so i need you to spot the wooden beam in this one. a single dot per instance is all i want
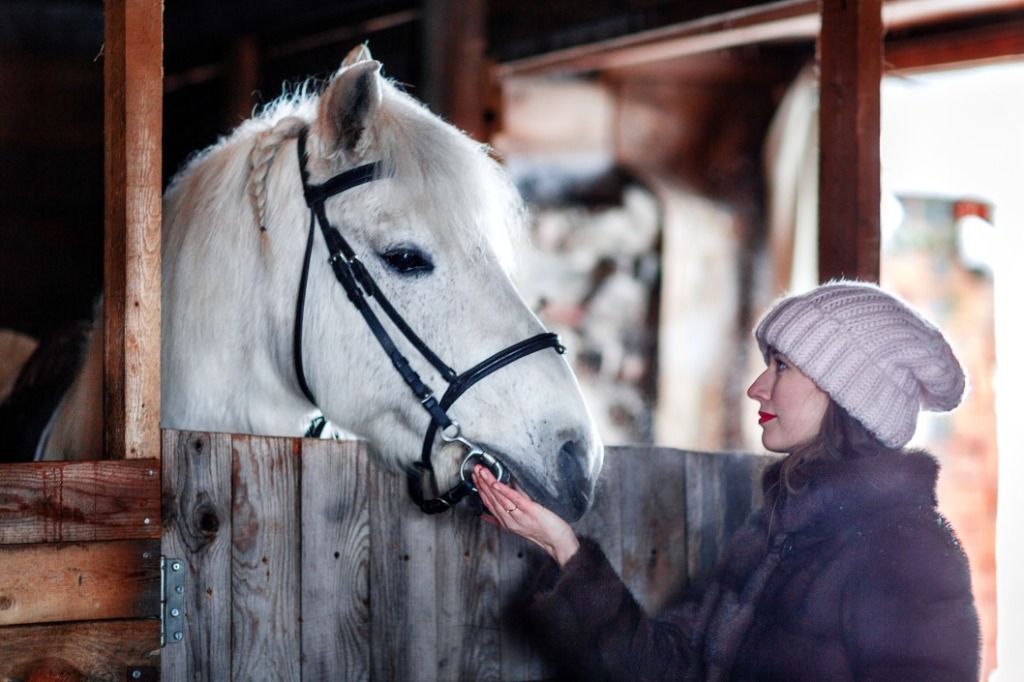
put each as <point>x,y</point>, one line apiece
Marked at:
<point>780,21</point>
<point>133,89</point>
<point>787,19</point>
<point>960,48</point>
<point>850,71</point>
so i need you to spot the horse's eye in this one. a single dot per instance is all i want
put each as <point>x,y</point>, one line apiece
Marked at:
<point>407,261</point>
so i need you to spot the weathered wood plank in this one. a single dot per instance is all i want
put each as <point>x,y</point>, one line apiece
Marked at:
<point>50,583</point>
<point>653,532</point>
<point>335,561</point>
<point>604,520</point>
<point>388,582</point>
<point>403,584</point>
<point>722,488</point>
<point>108,650</point>
<point>265,532</point>
<point>197,530</point>
<point>79,501</point>
<point>133,114</point>
<point>467,599</point>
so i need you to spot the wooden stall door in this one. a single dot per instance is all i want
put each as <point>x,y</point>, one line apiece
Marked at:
<point>304,561</point>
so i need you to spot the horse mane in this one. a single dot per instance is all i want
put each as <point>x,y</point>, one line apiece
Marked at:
<point>432,157</point>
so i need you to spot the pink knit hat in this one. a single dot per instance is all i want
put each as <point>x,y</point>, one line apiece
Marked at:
<point>871,352</point>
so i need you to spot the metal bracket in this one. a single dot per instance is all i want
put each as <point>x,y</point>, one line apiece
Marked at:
<point>172,600</point>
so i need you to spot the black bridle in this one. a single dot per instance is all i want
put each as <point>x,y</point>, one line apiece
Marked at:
<point>359,286</point>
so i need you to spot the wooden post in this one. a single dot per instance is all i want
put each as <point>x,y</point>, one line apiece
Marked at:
<point>244,66</point>
<point>133,89</point>
<point>456,78</point>
<point>850,50</point>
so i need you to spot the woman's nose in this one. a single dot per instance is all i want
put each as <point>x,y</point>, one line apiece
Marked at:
<point>758,389</point>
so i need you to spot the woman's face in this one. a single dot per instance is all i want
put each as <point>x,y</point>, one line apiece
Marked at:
<point>792,406</point>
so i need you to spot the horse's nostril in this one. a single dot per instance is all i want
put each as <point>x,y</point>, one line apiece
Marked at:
<point>572,467</point>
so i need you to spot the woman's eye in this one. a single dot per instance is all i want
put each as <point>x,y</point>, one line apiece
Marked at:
<point>407,261</point>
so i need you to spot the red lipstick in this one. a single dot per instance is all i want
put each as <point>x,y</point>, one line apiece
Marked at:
<point>765,417</point>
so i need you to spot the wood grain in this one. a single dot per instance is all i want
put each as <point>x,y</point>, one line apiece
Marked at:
<point>50,583</point>
<point>133,111</point>
<point>265,551</point>
<point>335,561</point>
<point>110,650</point>
<point>197,530</point>
<point>406,623</point>
<point>401,577</point>
<point>467,606</point>
<point>79,501</point>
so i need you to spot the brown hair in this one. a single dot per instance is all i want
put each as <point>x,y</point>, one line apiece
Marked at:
<point>842,437</point>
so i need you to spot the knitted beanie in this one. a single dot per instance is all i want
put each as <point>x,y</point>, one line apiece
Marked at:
<point>871,352</point>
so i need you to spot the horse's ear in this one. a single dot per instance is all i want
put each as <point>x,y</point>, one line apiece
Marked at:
<point>359,53</point>
<point>348,106</point>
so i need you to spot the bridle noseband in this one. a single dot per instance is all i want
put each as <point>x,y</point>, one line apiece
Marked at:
<point>359,286</point>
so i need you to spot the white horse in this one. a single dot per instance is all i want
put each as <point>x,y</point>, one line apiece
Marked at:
<point>434,221</point>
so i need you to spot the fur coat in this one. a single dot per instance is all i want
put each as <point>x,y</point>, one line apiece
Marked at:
<point>855,577</point>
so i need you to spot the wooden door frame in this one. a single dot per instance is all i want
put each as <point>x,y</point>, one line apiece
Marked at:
<point>80,564</point>
<point>133,128</point>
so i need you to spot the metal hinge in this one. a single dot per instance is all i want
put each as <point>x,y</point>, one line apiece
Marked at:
<point>172,600</point>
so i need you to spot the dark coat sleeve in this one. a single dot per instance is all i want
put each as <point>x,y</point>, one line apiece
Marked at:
<point>596,630</point>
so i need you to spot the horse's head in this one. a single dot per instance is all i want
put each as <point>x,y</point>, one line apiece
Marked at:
<point>435,226</point>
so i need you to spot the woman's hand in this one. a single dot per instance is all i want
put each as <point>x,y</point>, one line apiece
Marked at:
<point>516,512</point>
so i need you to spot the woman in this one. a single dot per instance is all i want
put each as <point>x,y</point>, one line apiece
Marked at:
<point>847,572</point>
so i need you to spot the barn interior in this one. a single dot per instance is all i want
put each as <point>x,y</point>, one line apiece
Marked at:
<point>668,153</point>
